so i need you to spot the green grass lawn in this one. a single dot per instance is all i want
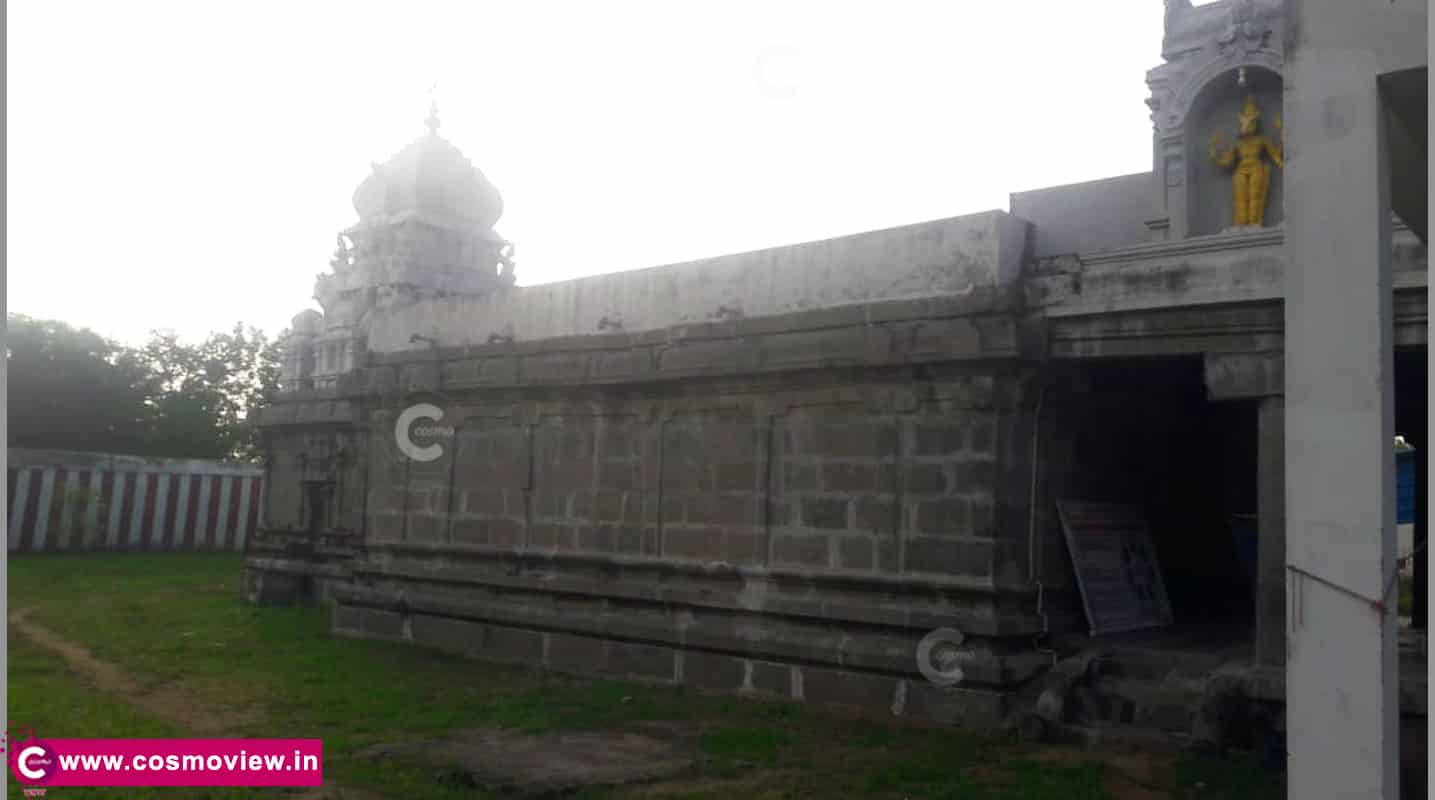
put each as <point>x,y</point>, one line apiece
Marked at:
<point>176,623</point>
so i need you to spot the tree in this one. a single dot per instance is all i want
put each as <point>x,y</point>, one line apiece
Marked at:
<point>71,389</point>
<point>205,397</point>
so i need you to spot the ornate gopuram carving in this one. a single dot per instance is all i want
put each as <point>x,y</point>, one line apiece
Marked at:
<point>1216,56</point>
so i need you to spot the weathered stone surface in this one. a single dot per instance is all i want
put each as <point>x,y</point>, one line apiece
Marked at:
<point>836,687</point>
<point>825,512</point>
<point>774,679</point>
<point>1231,376</point>
<point>950,556</point>
<point>582,654</point>
<point>711,671</point>
<point>512,645</point>
<point>949,516</point>
<point>801,550</point>
<point>982,710</point>
<point>368,622</point>
<point>272,587</point>
<point>856,552</point>
<point>636,660</point>
<point>443,633</point>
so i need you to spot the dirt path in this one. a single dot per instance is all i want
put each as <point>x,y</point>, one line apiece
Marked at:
<point>172,703</point>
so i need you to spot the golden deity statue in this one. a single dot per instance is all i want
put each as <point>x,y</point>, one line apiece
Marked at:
<point>1251,181</point>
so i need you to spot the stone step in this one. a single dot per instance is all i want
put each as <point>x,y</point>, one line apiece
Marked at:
<point>1167,705</point>
<point>1156,665</point>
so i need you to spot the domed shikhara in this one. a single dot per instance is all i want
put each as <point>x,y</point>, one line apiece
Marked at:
<point>433,178</point>
<point>425,231</point>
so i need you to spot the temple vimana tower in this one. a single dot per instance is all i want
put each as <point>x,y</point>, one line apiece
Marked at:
<point>912,470</point>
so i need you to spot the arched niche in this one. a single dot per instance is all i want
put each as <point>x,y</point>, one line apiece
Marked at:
<point>1215,107</point>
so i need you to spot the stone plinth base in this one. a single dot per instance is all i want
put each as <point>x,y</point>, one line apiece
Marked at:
<point>899,696</point>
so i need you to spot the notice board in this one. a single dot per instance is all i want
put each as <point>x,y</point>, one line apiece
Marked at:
<point>1116,566</point>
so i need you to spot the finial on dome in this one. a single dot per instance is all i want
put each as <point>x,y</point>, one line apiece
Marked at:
<point>431,121</point>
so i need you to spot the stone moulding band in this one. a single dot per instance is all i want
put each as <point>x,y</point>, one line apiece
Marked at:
<point>905,582</point>
<point>776,605</point>
<point>296,567</point>
<point>708,633</point>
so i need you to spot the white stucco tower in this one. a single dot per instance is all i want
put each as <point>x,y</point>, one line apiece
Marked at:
<point>425,230</point>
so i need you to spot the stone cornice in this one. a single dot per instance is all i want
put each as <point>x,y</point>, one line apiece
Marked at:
<point>1217,242</point>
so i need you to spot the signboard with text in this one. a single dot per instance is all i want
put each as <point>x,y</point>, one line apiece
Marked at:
<point>1116,566</point>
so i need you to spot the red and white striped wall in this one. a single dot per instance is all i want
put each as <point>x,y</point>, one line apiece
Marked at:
<point>91,501</point>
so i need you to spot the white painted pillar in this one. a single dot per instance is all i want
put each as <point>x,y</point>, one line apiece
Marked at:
<point>246,487</point>
<point>1341,680</point>
<point>92,509</point>
<point>221,529</point>
<point>67,509</point>
<point>141,483</point>
<point>44,507</point>
<point>117,504</point>
<point>201,525</point>
<point>21,500</point>
<point>181,512</point>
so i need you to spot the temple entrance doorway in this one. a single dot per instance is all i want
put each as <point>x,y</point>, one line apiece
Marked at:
<point>1146,434</point>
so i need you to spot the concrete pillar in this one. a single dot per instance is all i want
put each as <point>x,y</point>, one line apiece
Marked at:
<point>1271,531</point>
<point>1341,680</point>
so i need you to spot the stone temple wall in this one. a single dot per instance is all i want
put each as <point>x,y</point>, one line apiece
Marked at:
<point>783,505</point>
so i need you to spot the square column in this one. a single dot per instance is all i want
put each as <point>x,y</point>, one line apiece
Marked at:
<point>1341,678</point>
<point>1271,531</point>
<point>1259,378</point>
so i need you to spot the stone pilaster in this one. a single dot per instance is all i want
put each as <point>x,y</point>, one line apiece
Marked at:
<point>1260,378</point>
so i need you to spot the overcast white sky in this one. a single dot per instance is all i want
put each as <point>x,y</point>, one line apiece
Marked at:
<point>187,165</point>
